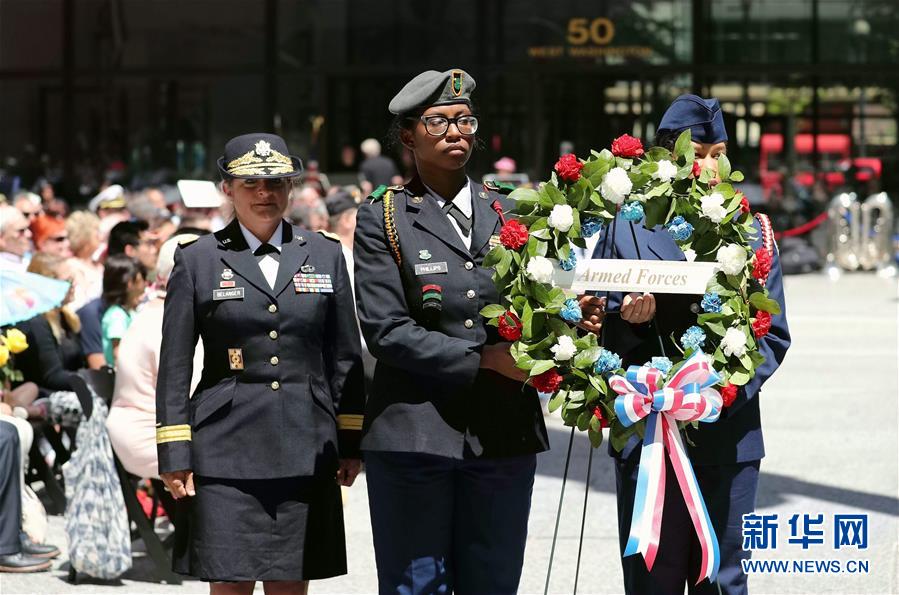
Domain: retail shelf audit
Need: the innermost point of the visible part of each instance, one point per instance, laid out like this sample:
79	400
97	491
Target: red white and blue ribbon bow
688	396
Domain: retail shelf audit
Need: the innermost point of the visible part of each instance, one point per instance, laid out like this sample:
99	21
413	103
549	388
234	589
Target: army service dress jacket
281	393
420	319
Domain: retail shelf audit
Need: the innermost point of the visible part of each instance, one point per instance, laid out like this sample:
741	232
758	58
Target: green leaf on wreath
494	256
683	147
583	420
619	435
595	436
492	311
764	303
502	267
556	401
736	176
525	195
541	366
723	167
587	357
739	378
655	211
545	199
557	196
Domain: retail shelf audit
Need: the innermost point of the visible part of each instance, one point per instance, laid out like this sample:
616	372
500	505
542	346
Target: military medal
312	283
424	255
307	268
226	284
235	359
227	275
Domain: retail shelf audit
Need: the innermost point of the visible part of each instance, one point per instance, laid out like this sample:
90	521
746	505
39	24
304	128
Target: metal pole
552	550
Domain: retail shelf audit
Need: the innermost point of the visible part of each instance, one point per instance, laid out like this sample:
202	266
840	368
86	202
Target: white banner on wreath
652	276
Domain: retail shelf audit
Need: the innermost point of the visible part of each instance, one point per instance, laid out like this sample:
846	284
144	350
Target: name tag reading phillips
653	276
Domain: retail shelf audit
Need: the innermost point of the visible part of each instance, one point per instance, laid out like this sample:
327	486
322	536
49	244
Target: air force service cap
702	116
433	88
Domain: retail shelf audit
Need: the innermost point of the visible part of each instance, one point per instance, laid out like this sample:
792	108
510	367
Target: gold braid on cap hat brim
250	164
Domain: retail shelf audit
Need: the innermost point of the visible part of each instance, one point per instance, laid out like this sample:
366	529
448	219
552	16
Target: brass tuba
860	234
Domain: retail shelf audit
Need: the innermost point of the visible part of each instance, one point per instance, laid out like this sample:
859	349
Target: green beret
433	88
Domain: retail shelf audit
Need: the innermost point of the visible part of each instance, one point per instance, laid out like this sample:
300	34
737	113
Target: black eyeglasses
438	125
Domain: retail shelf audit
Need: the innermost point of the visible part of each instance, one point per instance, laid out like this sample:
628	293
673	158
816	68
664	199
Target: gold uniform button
273	308
276	385
274	361
470	294
469	265
469	323
273	335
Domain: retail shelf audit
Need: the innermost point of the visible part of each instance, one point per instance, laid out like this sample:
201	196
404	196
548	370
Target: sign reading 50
600	31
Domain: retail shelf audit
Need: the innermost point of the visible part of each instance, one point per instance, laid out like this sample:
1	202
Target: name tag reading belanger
431	268
227	294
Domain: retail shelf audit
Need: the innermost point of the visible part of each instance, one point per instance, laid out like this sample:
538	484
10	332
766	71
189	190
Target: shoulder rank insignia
501	187
187	240
378	193
329	235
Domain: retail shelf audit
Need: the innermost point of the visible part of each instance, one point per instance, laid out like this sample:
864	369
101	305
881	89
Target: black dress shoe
38	550
22	563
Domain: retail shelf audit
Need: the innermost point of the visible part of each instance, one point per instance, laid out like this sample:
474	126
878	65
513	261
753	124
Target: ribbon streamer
688	396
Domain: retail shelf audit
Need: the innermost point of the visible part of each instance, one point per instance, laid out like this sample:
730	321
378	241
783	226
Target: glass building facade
153	88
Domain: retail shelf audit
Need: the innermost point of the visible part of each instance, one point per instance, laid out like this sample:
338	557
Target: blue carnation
571	311
632	211
608	361
662	364
590	226
569	263
711	303
680	229
694	338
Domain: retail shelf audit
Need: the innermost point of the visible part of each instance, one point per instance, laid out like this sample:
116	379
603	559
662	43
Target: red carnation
627	146
568	168
762	324
744	205
597	413
729	393
548	382
762	264
697	169
510	326
513	235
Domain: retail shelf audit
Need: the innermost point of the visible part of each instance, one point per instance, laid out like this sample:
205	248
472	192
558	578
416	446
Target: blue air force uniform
449	447
279	401
725	454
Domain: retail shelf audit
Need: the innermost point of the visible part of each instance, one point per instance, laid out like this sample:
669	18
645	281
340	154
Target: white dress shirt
587	253
268	264
463	201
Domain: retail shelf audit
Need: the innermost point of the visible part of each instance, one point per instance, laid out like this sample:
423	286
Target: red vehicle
834	159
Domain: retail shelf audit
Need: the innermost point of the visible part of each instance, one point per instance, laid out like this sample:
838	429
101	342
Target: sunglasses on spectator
58	238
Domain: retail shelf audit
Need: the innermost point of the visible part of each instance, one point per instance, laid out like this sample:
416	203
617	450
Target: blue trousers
444	525
729	493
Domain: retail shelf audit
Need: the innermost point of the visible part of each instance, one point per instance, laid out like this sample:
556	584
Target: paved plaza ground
830	422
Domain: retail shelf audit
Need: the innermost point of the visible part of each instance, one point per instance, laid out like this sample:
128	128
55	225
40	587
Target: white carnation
564	349
731	258
690	253
616	185
540	269
561	218
666	171
734	342
713	207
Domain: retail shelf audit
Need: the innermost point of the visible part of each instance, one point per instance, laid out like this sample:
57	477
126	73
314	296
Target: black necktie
456	213
266	249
